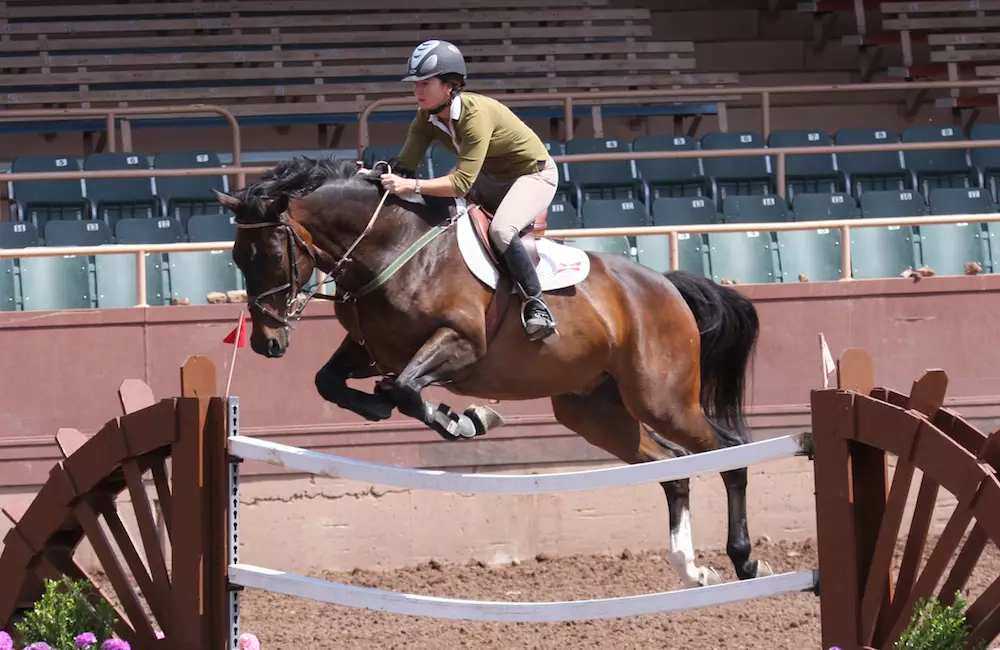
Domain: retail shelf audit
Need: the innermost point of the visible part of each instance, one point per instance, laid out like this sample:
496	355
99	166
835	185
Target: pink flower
249	642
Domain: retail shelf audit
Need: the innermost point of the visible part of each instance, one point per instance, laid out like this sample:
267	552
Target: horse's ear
227	200
276	207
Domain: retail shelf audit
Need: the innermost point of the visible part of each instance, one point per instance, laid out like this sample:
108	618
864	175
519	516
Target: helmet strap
447	104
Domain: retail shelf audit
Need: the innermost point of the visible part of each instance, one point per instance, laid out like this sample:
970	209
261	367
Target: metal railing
670	231
111	115
764	93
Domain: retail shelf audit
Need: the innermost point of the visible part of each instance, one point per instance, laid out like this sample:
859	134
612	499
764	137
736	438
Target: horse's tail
729	327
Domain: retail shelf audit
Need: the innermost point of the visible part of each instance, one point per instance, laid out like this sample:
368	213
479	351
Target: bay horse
646	365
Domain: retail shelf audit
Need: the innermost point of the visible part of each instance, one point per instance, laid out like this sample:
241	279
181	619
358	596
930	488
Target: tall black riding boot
535	315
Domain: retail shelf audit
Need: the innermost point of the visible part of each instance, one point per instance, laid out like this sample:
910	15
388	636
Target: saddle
501	299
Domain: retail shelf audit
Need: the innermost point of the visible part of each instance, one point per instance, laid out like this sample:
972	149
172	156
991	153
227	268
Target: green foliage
63	612
934	627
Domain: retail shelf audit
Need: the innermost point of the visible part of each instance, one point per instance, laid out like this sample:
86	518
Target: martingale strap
397	263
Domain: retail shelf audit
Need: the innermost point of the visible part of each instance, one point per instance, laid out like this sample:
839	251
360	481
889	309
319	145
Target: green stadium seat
876	170
886	251
746	257
939	168
77	233
654	250
195	275
62	282
808	173
761	208
42	201
183	196
120	198
738	175
16	234
986	160
947	247
563	215
564	189
611	213
116	273
683	211
820	207
893	203
668	177
816	254
601	180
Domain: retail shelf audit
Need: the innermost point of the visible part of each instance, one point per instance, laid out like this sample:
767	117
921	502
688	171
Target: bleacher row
625	193
96	212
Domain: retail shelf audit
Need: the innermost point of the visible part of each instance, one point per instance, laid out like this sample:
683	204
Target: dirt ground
788	622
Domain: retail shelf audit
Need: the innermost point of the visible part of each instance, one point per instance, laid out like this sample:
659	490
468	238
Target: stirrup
542	330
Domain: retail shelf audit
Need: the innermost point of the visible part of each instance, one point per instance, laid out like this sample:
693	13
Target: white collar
456	112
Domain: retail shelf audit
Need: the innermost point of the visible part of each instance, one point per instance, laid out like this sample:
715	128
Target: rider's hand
397	185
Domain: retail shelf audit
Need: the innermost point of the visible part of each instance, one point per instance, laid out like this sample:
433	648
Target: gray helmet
433	59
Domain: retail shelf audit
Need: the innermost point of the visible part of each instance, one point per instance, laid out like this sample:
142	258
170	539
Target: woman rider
499	157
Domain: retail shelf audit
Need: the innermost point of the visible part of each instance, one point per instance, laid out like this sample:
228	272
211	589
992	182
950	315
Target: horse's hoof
484	418
452	426
375	408
763	569
709	576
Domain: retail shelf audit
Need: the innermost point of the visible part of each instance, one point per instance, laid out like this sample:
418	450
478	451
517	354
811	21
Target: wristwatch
416	187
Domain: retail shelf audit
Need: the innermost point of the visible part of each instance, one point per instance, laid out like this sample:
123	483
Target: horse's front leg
444	356
351	361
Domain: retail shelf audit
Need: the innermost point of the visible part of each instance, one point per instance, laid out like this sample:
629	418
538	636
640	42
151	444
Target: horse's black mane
301	175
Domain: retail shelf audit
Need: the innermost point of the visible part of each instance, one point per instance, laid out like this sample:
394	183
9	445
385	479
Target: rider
499	157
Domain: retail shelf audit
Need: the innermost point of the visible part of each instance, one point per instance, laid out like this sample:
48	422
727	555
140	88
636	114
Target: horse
646	365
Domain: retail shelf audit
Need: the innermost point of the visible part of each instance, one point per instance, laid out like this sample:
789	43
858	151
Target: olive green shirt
488	137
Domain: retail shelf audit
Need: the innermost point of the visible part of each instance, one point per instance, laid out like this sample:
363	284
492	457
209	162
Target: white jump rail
671	469
303	460
514	612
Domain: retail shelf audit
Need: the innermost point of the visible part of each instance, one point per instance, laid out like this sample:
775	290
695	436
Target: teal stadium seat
885	251
808	173
654	250
986	160
611	213
815	254
195	275
947	247
62	282
182	196
563	215
120	198
746	257
564	189
939	168
601	180
760	208
42	201
875	170
820	207
116	273
738	175
666	177
14	234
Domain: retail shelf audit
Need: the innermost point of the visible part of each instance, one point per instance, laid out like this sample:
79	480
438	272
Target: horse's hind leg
601	419
674	411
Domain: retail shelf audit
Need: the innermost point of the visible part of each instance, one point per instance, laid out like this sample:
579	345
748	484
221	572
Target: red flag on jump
240	331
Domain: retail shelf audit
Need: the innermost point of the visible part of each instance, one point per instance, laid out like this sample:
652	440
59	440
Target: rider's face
431	93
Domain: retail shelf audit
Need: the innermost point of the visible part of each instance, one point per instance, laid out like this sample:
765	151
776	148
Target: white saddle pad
559	266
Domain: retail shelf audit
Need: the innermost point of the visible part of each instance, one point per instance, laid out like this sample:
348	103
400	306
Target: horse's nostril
274	348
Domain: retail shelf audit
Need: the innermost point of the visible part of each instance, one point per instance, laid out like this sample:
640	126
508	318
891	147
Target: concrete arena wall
64	369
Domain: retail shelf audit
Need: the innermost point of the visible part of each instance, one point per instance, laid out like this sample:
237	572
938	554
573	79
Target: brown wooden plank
132	9
833	423
396	54
928	392
190	496
966	561
150	429
331	73
14	567
151	544
855	371
198	377
974	38
951	56
885	426
985	627
957	22
98	458
69	441
950	6
135	395
164	494
326	38
49	511
339	20
369	91
217	522
960	430
948	463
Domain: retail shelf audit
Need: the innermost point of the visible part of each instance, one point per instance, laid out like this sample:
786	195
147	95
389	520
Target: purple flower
40	645
6	643
115	644
84	641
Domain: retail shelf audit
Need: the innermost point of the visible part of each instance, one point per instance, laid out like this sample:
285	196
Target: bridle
293	305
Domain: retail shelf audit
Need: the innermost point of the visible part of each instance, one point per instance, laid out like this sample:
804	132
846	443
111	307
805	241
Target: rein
294	306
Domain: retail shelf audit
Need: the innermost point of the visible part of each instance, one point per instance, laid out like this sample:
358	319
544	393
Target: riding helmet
433	59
